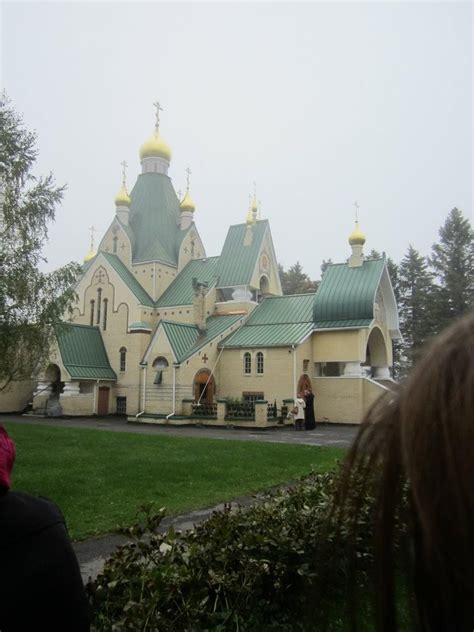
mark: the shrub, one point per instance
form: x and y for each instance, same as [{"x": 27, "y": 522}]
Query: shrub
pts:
[{"x": 274, "y": 565}]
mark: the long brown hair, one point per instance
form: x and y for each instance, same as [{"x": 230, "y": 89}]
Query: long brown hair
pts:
[{"x": 416, "y": 447}]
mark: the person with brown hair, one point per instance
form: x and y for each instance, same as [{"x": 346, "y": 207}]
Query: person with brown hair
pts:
[{"x": 415, "y": 450}]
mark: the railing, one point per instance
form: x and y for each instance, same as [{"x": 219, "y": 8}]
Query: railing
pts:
[
  {"x": 272, "y": 411},
  {"x": 240, "y": 410},
  {"x": 205, "y": 410}
]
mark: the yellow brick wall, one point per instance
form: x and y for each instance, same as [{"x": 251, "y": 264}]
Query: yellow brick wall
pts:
[
  {"x": 276, "y": 381},
  {"x": 338, "y": 346}
]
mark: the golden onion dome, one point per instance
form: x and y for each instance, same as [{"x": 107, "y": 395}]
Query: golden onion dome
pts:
[
  {"x": 155, "y": 147},
  {"x": 250, "y": 218},
  {"x": 90, "y": 255},
  {"x": 357, "y": 237},
  {"x": 187, "y": 203},
  {"x": 122, "y": 198}
]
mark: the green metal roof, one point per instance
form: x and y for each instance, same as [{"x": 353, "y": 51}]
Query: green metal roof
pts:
[
  {"x": 237, "y": 261},
  {"x": 180, "y": 292},
  {"x": 185, "y": 339},
  {"x": 348, "y": 293},
  {"x": 278, "y": 321},
  {"x": 343, "y": 324},
  {"x": 128, "y": 278},
  {"x": 83, "y": 353},
  {"x": 297, "y": 308},
  {"x": 268, "y": 335},
  {"x": 155, "y": 219},
  {"x": 141, "y": 325}
]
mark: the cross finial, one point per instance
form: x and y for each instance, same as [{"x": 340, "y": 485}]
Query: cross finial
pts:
[
  {"x": 92, "y": 230},
  {"x": 188, "y": 173},
  {"x": 124, "y": 173},
  {"x": 157, "y": 115},
  {"x": 356, "y": 206}
]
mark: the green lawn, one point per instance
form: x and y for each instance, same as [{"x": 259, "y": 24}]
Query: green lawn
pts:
[{"x": 99, "y": 478}]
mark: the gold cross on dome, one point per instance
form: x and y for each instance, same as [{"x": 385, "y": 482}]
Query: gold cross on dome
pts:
[
  {"x": 356, "y": 206},
  {"x": 188, "y": 173},
  {"x": 124, "y": 173},
  {"x": 92, "y": 230},
  {"x": 157, "y": 115}
]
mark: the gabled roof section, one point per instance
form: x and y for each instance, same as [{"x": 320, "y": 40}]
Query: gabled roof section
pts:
[
  {"x": 83, "y": 352},
  {"x": 155, "y": 219},
  {"x": 348, "y": 293},
  {"x": 279, "y": 321},
  {"x": 130, "y": 281},
  {"x": 185, "y": 340},
  {"x": 180, "y": 292},
  {"x": 237, "y": 261}
]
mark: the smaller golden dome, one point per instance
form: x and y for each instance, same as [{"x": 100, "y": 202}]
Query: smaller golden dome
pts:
[
  {"x": 187, "y": 203},
  {"x": 250, "y": 217},
  {"x": 357, "y": 237},
  {"x": 90, "y": 255},
  {"x": 155, "y": 147},
  {"x": 122, "y": 198}
]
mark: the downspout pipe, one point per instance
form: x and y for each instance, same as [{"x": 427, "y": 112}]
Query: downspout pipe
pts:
[
  {"x": 294, "y": 371},
  {"x": 173, "y": 412},
  {"x": 143, "y": 394}
]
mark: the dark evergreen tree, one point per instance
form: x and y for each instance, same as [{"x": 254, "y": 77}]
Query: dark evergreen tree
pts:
[
  {"x": 295, "y": 281},
  {"x": 416, "y": 296},
  {"x": 31, "y": 302},
  {"x": 452, "y": 260}
]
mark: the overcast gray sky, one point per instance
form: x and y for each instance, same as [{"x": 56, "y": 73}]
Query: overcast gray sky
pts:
[{"x": 321, "y": 103}]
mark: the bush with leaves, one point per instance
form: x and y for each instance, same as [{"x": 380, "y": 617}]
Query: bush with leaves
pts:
[{"x": 275, "y": 565}]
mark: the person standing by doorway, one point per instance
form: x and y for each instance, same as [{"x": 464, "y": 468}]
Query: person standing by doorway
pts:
[
  {"x": 309, "y": 418},
  {"x": 299, "y": 412}
]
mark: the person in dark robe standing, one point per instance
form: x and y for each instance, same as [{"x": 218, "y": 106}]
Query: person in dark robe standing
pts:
[{"x": 309, "y": 418}]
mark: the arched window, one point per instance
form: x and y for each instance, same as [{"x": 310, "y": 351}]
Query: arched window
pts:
[
  {"x": 259, "y": 362},
  {"x": 92, "y": 311},
  {"x": 104, "y": 320},
  {"x": 115, "y": 244},
  {"x": 159, "y": 364},
  {"x": 99, "y": 296},
  {"x": 123, "y": 359},
  {"x": 247, "y": 363}
]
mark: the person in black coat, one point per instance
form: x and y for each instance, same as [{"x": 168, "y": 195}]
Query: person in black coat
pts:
[
  {"x": 309, "y": 418},
  {"x": 41, "y": 587}
]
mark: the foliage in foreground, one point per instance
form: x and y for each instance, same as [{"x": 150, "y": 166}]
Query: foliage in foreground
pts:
[
  {"x": 31, "y": 302},
  {"x": 277, "y": 565}
]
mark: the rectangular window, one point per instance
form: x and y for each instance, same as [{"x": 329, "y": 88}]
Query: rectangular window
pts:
[
  {"x": 259, "y": 363},
  {"x": 92, "y": 312},
  {"x": 121, "y": 405},
  {"x": 332, "y": 369},
  {"x": 249, "y": 396},
  {"x": 247, "y": 363}
]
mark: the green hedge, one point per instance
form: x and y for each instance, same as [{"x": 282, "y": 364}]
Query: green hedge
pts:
[{"x": 279, "y": 564}]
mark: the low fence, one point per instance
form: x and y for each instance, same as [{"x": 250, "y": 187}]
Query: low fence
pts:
[{"x": 205, "y": 410}]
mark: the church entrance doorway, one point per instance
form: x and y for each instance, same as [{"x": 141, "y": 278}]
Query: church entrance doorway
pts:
[
  {"x": 103, "y": 403},
  {"x": 304, "y": 383},
  {"x": 204, "y": 387}
]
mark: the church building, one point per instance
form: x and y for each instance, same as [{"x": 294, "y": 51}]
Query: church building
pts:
[{"x": 162, "y": 333}]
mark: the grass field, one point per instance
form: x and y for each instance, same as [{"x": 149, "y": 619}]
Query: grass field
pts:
[{"x": 99, "y": 479}]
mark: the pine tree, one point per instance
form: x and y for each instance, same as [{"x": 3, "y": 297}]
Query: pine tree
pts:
[
  {"x": 295, "y": 281},
  {"x": 452, "y": 260},
  {"x": 31, "y": 302},
  {"x": 416, "y": 294}
]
